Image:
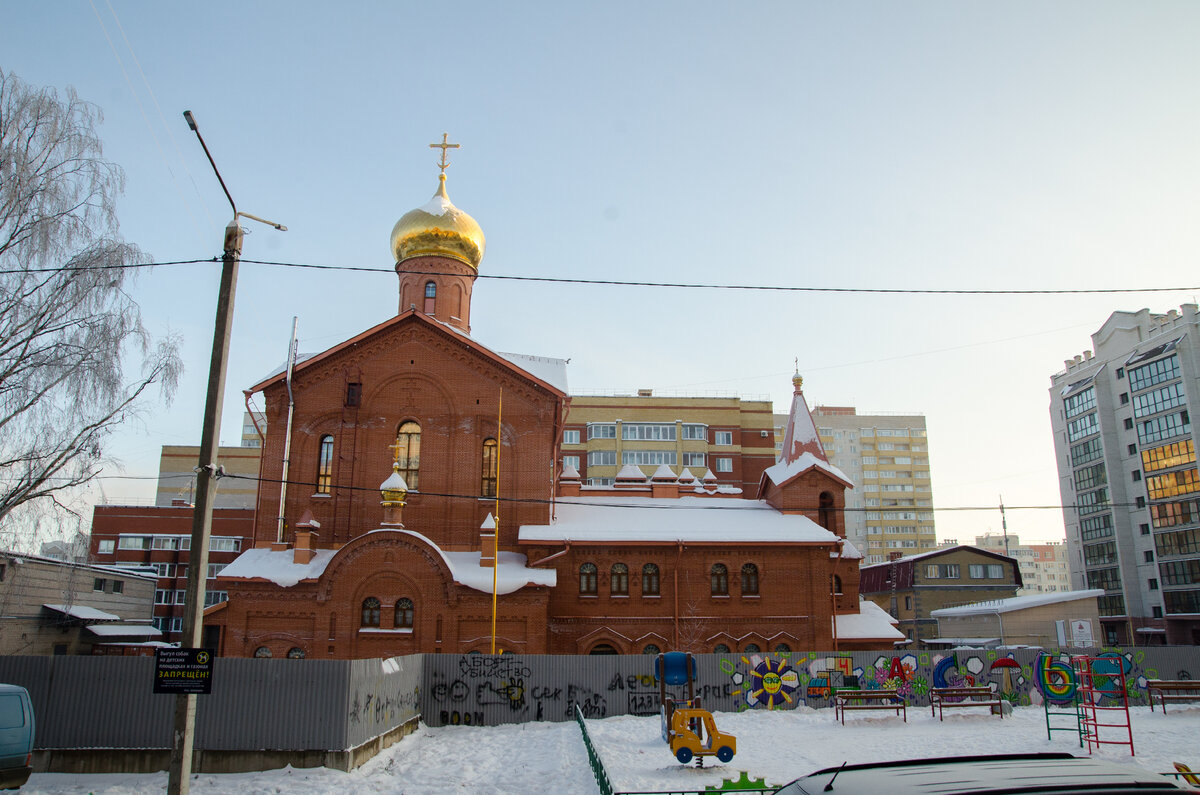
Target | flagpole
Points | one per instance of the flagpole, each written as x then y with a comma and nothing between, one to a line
496,537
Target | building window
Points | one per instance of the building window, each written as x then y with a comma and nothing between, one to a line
134,542
408,452
1128,424
724,464
571,461
694,432
262,651
325,465
602,458
587,579
720,648
1156,611
647,431
214,570
693,459
825,510
752,648
601,430
1153,583
782,648
98,585
354,393
295,653
618,580
1136,475
723,438
908,603
223,544
649,580
571,437
1124,397
118,586
835,582
942,571
650,648
749,580
491,466
370,612
1132,449
404,614
106,546
177,624
720,580
1148,556
215,598
430,298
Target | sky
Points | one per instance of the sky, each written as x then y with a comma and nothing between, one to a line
863,145
521,757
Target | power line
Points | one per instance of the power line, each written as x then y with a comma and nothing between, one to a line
622,504
665,285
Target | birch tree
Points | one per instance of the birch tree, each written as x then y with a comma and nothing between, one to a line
69,329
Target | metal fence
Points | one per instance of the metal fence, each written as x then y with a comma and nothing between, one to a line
336,705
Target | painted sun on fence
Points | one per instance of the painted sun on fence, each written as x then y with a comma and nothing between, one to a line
770,683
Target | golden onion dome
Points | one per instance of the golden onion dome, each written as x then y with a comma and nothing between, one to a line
438,229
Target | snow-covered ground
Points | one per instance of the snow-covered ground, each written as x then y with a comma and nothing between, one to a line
777,746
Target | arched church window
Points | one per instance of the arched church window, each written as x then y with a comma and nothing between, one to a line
836,583
749,580
404,614
262,651
325,465
430,298
782,648
720,648
618,580
295,653
408,452
720,580
491,467
752,648
587,579
370,612
650,580
651,649
825,511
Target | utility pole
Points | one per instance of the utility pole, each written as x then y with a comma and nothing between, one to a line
1004,525
207,473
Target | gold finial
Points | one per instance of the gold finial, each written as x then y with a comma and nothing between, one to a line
797,381
444,145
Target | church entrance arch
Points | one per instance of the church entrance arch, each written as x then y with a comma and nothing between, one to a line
603,648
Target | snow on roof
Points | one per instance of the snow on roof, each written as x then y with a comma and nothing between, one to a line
919,555
692,519
280,567
848,551
663,472
552,371
124,631
871,621
967,642
631,472
83,612
569,472
438,205
1016,603
781,472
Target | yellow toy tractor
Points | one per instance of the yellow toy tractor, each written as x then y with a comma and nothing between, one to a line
689,730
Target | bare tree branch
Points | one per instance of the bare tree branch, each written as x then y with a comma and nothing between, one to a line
68,336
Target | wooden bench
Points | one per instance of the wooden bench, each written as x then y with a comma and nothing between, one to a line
844,700
980,696
1172,690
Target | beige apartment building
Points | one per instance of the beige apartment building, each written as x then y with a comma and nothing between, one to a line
1044,567
177,470
886,456
731,437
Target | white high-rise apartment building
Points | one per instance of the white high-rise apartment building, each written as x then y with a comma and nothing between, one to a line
1130,487
886,456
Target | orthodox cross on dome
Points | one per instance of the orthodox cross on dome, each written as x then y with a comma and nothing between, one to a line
444,145
395,448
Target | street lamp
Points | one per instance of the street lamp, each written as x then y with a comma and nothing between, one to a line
207,473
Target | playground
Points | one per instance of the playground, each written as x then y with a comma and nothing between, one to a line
777,746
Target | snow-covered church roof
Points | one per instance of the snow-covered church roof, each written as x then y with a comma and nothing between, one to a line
280,567
693,519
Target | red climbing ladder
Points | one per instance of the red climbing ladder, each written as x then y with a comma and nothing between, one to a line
1104,723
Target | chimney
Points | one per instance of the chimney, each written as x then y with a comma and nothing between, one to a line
306,539
568,482
487,543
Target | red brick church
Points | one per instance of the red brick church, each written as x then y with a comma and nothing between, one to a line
425,485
